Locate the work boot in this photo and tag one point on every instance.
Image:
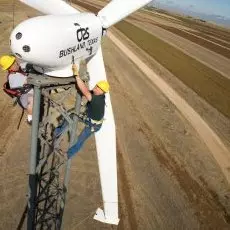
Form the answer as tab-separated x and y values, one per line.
29	122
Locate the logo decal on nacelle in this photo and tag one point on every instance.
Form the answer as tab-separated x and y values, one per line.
92	41
90	50
82	34
71	50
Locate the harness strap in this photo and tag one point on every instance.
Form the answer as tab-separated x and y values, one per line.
89	122
16	92
96	122
19	71
92	124
11	92
84	117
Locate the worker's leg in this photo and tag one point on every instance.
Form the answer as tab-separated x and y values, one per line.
63	126
30	107
85	134
27	103
23	101
60	129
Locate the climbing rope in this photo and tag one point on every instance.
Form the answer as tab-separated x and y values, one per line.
13	14
70	2
85	219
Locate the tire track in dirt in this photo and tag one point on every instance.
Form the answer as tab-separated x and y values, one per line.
202	198
204	55
207	207
125	191
8	126
206	39
210	138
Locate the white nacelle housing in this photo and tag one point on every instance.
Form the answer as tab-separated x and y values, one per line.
50	41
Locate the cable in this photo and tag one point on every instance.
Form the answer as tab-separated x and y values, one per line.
81	222
13	13
70	2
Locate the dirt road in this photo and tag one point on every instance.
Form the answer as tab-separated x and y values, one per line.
165	154
168	178
202	54
213	142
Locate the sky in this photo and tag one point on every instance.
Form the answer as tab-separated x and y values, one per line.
216	7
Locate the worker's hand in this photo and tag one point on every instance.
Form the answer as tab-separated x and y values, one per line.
75	70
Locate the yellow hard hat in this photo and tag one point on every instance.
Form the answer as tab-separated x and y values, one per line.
6	61
104	86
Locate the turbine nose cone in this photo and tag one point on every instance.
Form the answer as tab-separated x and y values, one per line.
18	43
13	43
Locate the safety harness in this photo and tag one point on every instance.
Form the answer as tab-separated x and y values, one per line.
16	93
89	122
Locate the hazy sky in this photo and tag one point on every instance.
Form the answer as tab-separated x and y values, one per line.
217	7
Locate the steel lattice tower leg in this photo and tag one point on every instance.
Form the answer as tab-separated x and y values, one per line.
49	169
33	160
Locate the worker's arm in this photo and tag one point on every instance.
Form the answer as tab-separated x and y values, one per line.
81	85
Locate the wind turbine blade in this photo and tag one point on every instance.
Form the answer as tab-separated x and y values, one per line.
106	148
116	10
54	7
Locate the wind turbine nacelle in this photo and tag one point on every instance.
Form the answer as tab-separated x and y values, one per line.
50	42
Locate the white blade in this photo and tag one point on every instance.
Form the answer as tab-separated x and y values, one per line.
116	10
106	148
54	7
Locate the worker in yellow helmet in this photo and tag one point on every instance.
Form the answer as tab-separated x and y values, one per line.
95	109
15	85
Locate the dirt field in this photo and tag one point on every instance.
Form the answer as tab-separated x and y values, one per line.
168	177
202	54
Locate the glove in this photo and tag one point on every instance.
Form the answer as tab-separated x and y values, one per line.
75	70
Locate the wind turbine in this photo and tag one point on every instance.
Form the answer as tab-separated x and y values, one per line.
50	42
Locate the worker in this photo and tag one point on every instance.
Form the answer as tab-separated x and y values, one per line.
16	82
95	109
